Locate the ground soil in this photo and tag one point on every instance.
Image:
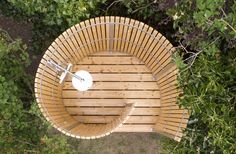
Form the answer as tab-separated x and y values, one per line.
22	30
116	143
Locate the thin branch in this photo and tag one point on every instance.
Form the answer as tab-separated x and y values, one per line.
117	1
194	56
143	7
229	25
223	12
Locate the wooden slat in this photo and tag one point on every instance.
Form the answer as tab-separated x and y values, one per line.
107	119
82	49
117	85
112	68
112	102
103	33
115	53
110	94
111	111
120	77
110	60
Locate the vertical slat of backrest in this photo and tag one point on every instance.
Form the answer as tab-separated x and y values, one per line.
137	38
99	33
80	32
133	36
60	47
153	59
70	40
116	32
88	41
52	54
172	119
149	39
109	33
65	39
143	40
103	33
161	52
150	45
164	59
90	36
139	44
129	22
94	33
75	43
47	88
125	33
150	51
167	59
83	50
120	34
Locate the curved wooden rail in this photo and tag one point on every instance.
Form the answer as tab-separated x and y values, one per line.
119	52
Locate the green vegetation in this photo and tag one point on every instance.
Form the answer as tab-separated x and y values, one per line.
203	31
22	129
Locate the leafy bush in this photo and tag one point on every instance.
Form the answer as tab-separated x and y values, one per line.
21	125
52	17
204	32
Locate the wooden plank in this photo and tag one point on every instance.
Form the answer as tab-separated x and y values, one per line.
103	53
120	77
77	46
111	111
107	119
150	47
89	35
133	36
126	37
68	43
109	60
81	39
85	36
103	32
94	30
61	48
125	31
110	94
112	68
112	102
82	49
116	32
146	42
175	120
117	85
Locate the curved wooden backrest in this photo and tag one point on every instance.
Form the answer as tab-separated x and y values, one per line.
110	34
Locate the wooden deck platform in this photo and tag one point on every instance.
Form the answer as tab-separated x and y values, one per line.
119	79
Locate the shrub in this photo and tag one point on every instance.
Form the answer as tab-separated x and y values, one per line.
50	18
204	32
21	125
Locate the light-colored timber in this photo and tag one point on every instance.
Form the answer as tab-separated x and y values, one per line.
135	81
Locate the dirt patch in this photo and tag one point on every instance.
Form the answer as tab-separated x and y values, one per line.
22	30
120	143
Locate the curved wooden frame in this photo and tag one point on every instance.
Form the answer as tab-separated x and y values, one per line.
111	34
